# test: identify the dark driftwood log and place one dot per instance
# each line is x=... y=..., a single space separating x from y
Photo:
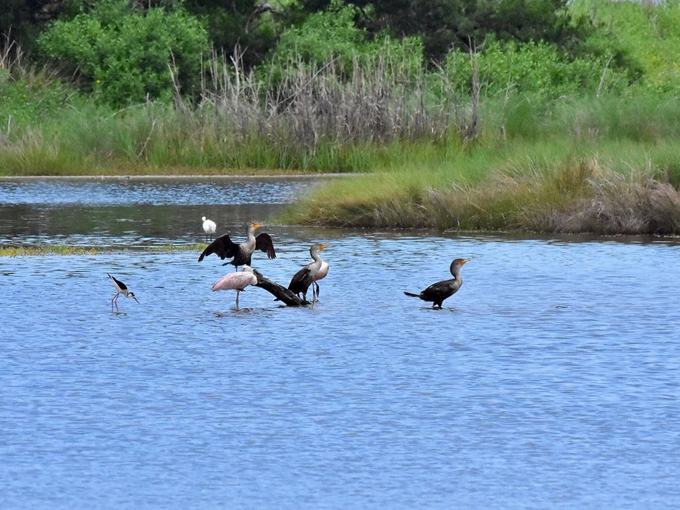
x=280 y=292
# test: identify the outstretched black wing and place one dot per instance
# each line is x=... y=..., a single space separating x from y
x=120 y=284
x=263 y=242
x=301 y=281
x=223 y=247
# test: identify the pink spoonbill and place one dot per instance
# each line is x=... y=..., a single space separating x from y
x=237 y=281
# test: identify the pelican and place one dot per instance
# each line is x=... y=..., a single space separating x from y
x=438 y=292
x=209 y=227
x=121 y=288
x=237 y=281
x=224 y=247
x=310 y=274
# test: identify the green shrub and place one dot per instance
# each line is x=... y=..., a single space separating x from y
x=125 y=56
x=646 y=36
x=533 y=68
x=332 y=35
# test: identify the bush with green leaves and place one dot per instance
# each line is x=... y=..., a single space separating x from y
x=647 y=36
x=533 y=68
x=125 y=56
x=332 y=36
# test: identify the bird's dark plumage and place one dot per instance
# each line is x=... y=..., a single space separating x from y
x=264 y=243
x=120 y=284
x=438 y=292
x=301 y=282
x=241 y=253
x=223 y=247
x=308 y=275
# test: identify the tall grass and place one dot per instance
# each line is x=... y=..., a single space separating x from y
x=312 y=119
x=607 y=188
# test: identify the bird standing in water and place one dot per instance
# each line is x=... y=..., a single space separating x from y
x=310 y=274
x=236 y=281
x=438 y=292
x=121 y=288
x=209 y=228
x=242 y=253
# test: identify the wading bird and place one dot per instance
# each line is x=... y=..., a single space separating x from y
x=121 y=288
x=224 y=247
x=236 y=281
x=310 y=274
x=209 y=227
x=438 y=292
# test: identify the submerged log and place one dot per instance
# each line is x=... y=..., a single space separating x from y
x=280 y=292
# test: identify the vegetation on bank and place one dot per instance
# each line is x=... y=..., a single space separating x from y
x=564 y=119
x=32 y=251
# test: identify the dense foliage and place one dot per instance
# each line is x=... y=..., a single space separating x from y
x=126 y=56
x=123 y=52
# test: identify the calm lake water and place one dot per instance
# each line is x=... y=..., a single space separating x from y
x=551 y=380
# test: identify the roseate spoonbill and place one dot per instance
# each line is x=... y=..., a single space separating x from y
x=121 y=288
x=310 y=274
x=438 y=292
x=209 y=227
x=224 y=247
x=237 y=281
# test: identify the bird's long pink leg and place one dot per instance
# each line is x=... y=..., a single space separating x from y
x=237 y=293
x=115 y=300
x=112 y=299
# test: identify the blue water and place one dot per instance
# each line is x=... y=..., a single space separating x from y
x=551 y=380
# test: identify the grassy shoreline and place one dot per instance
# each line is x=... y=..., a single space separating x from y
x=609 y=188
x=44 y=250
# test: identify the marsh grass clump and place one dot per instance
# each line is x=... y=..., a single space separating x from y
x=622 y=205
x=24 y=251
x=540 y=194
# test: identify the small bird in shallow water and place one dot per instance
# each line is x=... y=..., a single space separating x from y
x=310 y=274
x=242 y=253
x=121 y=288
x=209 y=227
x=438 y=292
x=236 y=281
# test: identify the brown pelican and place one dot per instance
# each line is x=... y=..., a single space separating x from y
x=236 y=281
x=224 y=247
x=121 y=288
x=310 y=274
x=438 y=292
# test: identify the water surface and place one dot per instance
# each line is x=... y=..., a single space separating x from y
x=551 y=380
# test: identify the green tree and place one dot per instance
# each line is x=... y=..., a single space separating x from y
x=444 y=24
x=125 y=55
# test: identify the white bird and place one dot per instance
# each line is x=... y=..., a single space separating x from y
x=310 y=274
x=121 y=288
x=237 y=281
x=209 y=227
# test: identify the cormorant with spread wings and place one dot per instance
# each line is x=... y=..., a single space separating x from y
x=241 y=253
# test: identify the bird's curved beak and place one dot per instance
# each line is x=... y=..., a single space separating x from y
x=256 y=225
x=324 y=246
x=464 y=261
x=135 y=298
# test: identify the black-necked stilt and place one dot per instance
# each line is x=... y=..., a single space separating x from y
x=121 y=288
x=236 y=281
x=224 y=247
x=209 y=227
x=310 y=274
